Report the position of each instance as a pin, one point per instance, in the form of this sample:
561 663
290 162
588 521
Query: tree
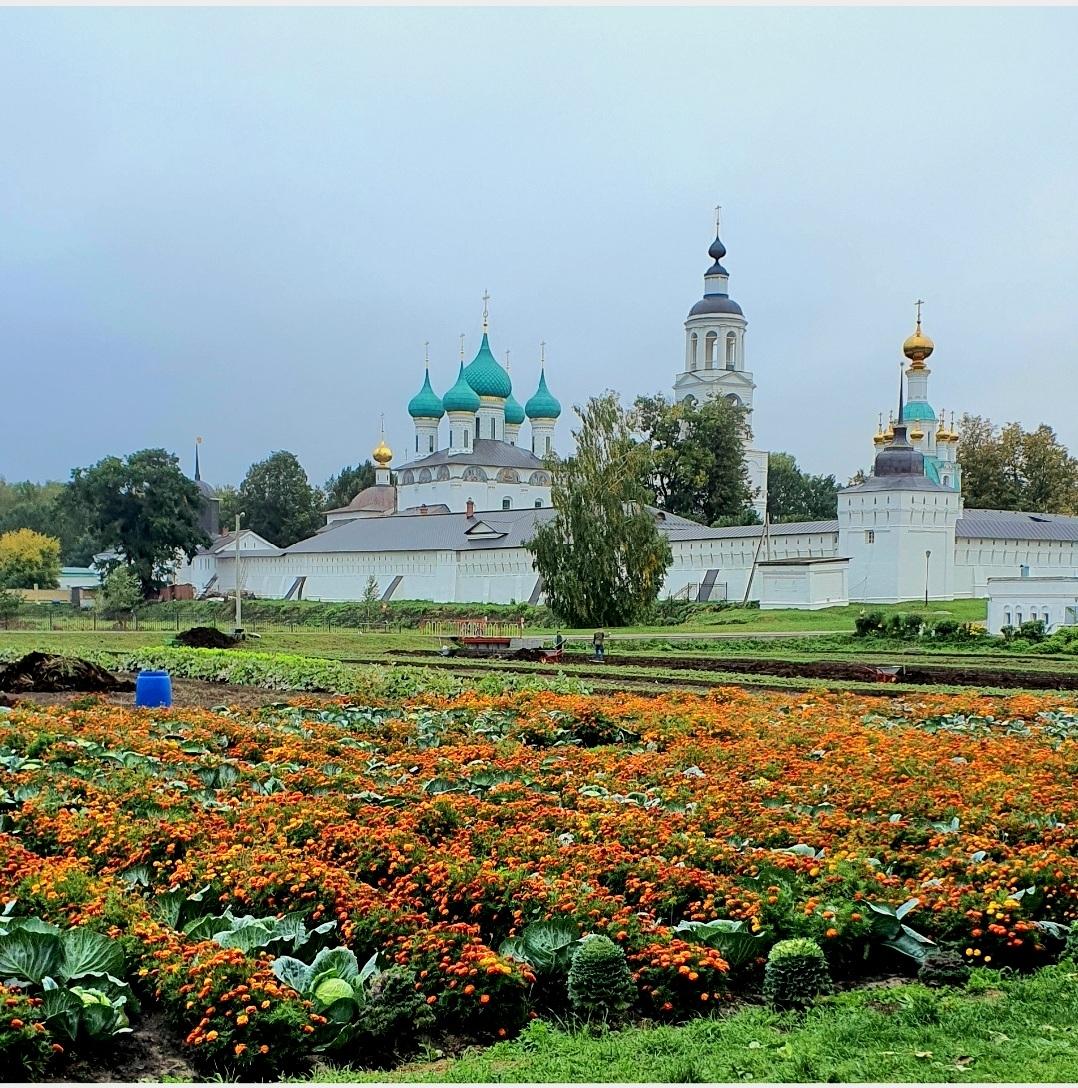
278 500
230 504
602 557
698 466
1009 468
29 559
371 596
144 507
341 489
27 505
793 495
10 603
121 591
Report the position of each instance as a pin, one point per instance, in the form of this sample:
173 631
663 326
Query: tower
382 455
898 527
715 359
461 403
426 410
209 511
514 412
542 410
491 382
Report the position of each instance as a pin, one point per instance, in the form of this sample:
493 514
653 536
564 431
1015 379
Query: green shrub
1032 630
600 983
1070 949
796 972
869 624
392 1022
943 967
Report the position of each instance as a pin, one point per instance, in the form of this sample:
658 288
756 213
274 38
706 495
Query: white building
1051 599
715 360
451 523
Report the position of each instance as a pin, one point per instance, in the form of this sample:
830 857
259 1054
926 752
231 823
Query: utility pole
239 606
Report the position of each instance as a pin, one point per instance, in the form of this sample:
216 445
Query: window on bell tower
692 351
731 351
709 350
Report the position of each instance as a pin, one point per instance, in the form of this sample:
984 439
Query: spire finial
382 424
919 303
198 473
486 316
718 218
898 418
507 360
426 354
542 355
462 349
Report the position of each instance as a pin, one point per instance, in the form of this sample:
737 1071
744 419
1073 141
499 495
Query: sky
244 224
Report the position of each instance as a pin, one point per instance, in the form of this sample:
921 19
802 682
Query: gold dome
916 434
879 438
382 453
918 347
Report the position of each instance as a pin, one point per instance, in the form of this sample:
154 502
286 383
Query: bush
121 592
10 603
943 967
1070 949
868 624
1032 630
796 972
393 1020
600 983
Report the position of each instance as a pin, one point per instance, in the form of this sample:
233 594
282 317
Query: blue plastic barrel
153 687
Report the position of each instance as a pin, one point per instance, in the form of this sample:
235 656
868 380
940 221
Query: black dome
716 251
899 458
715 304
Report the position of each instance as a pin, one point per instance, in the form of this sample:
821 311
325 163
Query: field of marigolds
322 881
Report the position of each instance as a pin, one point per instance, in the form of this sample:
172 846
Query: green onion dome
426 404
917 410
514 413
462 397
486 375
542 403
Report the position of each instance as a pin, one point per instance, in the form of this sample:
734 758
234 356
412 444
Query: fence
93 622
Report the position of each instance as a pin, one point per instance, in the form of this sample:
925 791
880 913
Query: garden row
336 880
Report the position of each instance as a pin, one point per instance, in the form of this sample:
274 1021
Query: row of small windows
548 448
507 504
430 437
1018 617
709 351
473 474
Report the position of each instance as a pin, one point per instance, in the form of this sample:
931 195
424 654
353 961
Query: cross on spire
486 299
507 360
426 353
718 217
462 348
382 423
542 354
919 303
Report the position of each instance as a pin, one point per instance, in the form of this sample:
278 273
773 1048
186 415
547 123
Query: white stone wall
488 494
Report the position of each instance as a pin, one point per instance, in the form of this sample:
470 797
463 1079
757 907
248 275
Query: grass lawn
1001 1029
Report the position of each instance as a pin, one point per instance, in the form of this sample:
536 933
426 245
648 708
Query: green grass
1000 1030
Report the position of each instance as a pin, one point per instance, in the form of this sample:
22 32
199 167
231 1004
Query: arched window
507 504
474 473
442 472
407 477
424 476
692 351
539 479
508 476
709 350
731 351
538 504
548 443
493 426
689 401
432 443
467 438
417 443
734 399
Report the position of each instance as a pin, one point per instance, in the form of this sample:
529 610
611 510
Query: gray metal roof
692 531
913 482
485 451
1016 525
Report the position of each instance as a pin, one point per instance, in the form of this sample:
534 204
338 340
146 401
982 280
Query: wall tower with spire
715 358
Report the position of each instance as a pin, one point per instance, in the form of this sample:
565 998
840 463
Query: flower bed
434 830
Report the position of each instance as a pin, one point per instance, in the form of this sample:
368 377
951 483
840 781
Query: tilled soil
203 693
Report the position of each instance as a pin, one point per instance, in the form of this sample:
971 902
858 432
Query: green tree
371 596
698 465
602 557
29 559
10 603
278 500
1010 468
230 505
341 489
793 495
121 591
27 505
144 507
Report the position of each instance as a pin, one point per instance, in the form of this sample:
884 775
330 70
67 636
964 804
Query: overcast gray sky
244 224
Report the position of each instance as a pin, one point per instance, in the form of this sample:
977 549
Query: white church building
451 521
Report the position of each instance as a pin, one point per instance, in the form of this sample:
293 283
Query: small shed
1013 601
807 583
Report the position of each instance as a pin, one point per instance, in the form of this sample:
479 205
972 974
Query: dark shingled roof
715 304
485 451
380 498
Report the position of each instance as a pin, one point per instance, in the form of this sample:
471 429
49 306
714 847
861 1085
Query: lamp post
237 633
928 556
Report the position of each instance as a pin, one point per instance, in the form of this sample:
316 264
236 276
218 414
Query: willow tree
602 557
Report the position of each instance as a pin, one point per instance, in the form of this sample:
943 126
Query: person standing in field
597 644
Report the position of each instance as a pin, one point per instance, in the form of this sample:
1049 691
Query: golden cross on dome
486 299
382 423
919 303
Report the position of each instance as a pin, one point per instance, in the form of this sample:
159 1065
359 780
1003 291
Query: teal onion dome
462 397
542 404
514 413
486 375
917 410
426 404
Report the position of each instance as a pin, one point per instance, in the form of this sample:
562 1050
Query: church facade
452 520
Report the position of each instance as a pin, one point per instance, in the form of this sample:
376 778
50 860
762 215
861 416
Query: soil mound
205 638
51 672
